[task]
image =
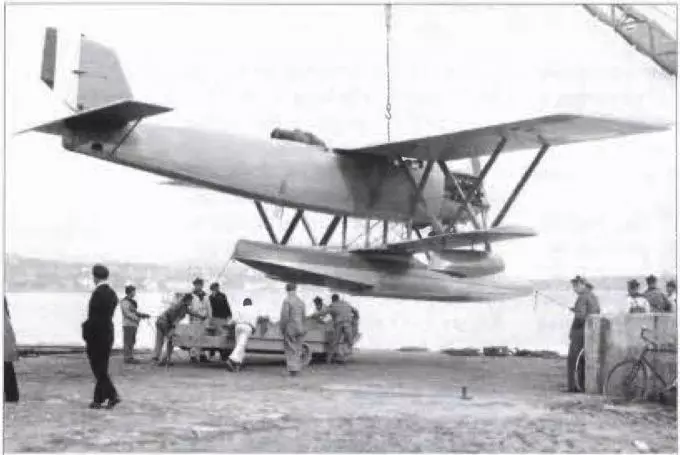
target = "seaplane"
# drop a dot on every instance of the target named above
(407, 182)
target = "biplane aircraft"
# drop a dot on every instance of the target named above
(401, 182)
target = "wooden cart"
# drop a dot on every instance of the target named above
(218, 335)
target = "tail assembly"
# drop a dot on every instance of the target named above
(89, 79)
(85, 73)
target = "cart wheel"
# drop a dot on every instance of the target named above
(306, 355)
(319, 357)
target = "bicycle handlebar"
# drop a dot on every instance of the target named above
(642, 335)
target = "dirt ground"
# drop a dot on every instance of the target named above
(380, 402)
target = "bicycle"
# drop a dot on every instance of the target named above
(580, 371)
(628, 379)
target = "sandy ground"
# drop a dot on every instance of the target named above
(380, 402)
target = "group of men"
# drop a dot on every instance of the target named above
(653, 300)
(98, 329)
(244, 320)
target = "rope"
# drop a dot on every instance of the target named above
(547, 297)
(388, 104)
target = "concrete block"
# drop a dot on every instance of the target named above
(612, 338)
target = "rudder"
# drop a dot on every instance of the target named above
(84, 73)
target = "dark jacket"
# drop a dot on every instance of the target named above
(586, 304)
(658, 302)
(99, 323)
(220, 306)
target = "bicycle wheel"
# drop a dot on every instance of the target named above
(627, 381)
(579, 371)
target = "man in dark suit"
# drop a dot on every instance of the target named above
(98, 336)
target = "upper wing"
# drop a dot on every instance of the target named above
(526, 134)
(453, 240)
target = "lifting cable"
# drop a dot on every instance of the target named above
(388, 104)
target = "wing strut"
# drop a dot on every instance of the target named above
(522, 181)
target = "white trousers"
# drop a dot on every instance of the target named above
(243, 332)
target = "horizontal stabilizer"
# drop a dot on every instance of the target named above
(453, 240)
(554, 130)
(105, 118)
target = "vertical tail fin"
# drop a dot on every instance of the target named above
(83, 73)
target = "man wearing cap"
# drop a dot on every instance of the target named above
(637, 303)
(293, 329)
(343, 316)
(658, 302)
(165, 324)
(219, 305)
(245, 322)
(586, 304)
(219, 309)
(201, 311)
(131, 318)
(98, 336)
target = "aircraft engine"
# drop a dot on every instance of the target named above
(466, 263)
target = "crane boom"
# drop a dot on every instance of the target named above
(640, 31)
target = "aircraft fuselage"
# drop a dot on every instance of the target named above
(280, 172)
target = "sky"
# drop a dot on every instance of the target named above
(600, 208)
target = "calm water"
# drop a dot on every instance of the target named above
(542, 323)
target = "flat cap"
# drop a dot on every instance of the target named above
(100, 271)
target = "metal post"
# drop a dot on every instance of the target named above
(367, 233)
(482, 176)
(386, 224)
(291, 227)
(266, 222)
(330, 230)
(520, 185)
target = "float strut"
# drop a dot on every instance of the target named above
(292, 226)
(520, 185)
(266, 222)
(344, 232)
(330, 230)
(309, 230)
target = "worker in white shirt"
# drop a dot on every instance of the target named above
(244, 320)
(200, 306)
(637, 303)
(320, 313)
